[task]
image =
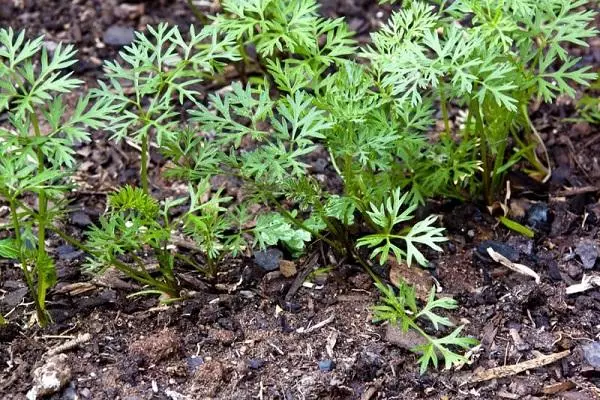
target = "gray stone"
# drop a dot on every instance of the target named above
(193, 363)
(81, 219)
(67, 252)
(587, 250)
(256, 363)
(49, 378)
(326, 365)
(405, 340)
(15, 297)
(591, 352)
(269, 259)
(117, 35)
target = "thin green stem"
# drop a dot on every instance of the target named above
(467, 130)
(483, 148)
(42, 314)
(144, 164)
(245, 62)
(334, 163)
(498, 162)
(189, 261)
(199, 15)
(531, 131)
(413, 324)
(17, 228)
(364, 264)
(140, 276)
(42, 199)
(444, 108)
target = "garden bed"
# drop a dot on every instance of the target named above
(251, 333)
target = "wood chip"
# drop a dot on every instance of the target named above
(587, 282)
(369, 393)
(287, 268)
(558, 387)
(417, 277)
(507, 395)
(577, 191)
(316, 326)
(509, 370)
(331, 341)
(520, 268)
(71, 344)
(75, 289)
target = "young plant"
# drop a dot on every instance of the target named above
(401, 309)
(137, 225)
(389, 215)
(376, 143)
(495, 61)
(160, 76)
(133, 224)
(36, 147)
(217, 230)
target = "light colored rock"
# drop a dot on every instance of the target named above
(49, 378)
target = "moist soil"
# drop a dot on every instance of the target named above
(249, 334)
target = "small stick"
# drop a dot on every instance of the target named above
(508, 370)
(520, 268)
(316, 326)
(306, 270)
(277, 349)
(587, 282)
(70, 344)
(331, 341)
(57, 337)
(577, 190)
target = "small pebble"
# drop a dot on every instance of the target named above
(117, 35)
(320, 165)
(68, 253)
(287, 268)
(538, 217)
(81, 219)
(193, 363)
(554, 271)
(49, 378)
(506, 250)
(591, 352)
(268, 259)
(326, 365)
(255, 363)
(587, 250)
(70, 393)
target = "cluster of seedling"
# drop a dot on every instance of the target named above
(370, 109)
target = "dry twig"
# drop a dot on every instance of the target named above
(520, 268)
(71, 344)
(509, 370)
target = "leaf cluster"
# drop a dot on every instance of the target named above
(160, 70)
(288, 30)
(493, 58)
(400, 308)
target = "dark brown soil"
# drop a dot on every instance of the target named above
(242, 338)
